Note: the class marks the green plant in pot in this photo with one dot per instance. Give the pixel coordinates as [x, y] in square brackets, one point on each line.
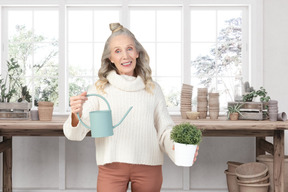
[234, 111]
[45, 107]
[249, 96]
[261, 93]
[186, 138]
[25, 95]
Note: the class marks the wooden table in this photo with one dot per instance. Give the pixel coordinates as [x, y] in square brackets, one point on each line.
[220, 127]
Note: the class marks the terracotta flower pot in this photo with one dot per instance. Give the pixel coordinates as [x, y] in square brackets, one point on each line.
[202, 114]
[251, 171]
[213, 114]
[255, 181]
[232, 165]
[231, 179]
[234, 116]
[253, 187]
[45, 110]
[268, 160]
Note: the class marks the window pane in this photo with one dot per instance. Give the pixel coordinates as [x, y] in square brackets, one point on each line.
[18, 19]
[142, 24]
[46, 59]
[98, 50]
[80, 59]
[226, 18]
[229, 48]
[102, 19]
[78, 85]
[202, 58]
[217, 64]
[169, 59]
[203, 26]
[33, 44]
[225, 86]
[171, 88]
[46, 24]
[199, 50]
[150, 49]
[80, 25]
[46, 89]
[169, 26]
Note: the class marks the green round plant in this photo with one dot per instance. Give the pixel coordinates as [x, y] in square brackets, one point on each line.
[186, 133]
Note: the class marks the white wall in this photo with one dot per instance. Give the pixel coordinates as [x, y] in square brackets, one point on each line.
[276, 53]
[37, 164]
[45, 167]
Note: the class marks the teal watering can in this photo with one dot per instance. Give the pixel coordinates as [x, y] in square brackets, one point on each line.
[101, 121]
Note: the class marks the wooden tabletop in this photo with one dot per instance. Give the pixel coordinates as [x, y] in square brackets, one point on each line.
[222, 126]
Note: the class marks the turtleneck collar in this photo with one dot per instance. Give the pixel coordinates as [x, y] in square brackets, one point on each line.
[125, 82]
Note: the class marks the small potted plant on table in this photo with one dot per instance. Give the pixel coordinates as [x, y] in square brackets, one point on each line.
[186, 138]
[234, 111]
[45, 107]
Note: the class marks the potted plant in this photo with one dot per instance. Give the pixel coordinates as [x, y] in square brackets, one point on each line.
[261, 93]
[25, 95]
[10, 85]
[234, 111]
[186, 138]
[44, 104]
[248, 97]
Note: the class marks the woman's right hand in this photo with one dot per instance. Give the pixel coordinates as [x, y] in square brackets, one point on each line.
[76, 103]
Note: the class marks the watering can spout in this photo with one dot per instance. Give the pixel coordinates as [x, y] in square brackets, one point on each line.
[123, 117]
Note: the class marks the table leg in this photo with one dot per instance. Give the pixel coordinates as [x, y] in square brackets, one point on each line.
[278, 166]
[7, 166]
[259, 150]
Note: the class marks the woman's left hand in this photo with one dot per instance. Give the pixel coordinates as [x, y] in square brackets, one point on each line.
[196, 153]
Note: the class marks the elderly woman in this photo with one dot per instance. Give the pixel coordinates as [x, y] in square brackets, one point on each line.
[135, 152]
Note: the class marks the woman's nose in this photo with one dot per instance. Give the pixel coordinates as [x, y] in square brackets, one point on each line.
[125, 54]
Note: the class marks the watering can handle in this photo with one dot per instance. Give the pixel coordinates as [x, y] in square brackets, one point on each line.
[108, 108]
[88, 95]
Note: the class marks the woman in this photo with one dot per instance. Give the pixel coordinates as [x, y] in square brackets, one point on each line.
[135, 152]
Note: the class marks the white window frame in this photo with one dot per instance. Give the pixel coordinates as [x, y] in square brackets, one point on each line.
[94, 75]
[255, 47]
[245, 38]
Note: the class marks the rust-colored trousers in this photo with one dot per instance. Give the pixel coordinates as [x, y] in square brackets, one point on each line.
[115, 177]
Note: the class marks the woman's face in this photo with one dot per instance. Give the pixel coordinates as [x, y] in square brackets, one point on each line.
[123, 54]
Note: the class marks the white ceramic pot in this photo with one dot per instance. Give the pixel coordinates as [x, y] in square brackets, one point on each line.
[184, 154]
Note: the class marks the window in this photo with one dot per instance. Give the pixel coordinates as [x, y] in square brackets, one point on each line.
[88, 29]
[217, 50]
[32, 43]
[59, 46]
[160, 32]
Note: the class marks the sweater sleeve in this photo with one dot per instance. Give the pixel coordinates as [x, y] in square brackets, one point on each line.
[79, 132]
[163, 124]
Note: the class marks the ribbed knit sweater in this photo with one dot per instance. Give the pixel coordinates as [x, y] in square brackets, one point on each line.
[143, 136]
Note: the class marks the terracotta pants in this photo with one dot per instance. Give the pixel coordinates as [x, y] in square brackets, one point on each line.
[115, 177]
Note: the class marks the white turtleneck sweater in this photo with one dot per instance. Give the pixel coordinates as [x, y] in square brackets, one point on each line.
[142, 137]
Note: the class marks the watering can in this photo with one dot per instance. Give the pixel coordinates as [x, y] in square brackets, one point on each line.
[101, 121]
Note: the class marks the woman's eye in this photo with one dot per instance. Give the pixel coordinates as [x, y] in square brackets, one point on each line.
[130, 49]
[117, 51]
